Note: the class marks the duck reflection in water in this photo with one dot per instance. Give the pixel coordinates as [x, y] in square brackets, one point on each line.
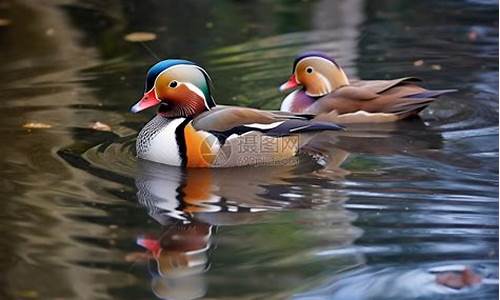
[409, 138]
[177, 259]
[207, 195]
[191, 203]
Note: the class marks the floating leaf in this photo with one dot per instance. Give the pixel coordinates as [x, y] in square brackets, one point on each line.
[36, 125]
[472, 35]
[135, 37]
[4, 22]
[418, 63]
[100, 126]
[436, 67]
[50, 31]
[27, 294]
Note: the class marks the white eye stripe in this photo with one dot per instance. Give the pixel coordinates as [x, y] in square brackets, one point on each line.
[197, 91]
[193, 88]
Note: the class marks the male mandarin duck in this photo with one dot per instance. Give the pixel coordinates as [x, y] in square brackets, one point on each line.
[327, 90]
[189, 130]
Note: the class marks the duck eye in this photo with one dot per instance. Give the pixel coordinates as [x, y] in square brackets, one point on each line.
[173, 84]
[309, 70]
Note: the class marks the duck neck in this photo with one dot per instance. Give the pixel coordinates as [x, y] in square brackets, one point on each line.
[184, 110]
[191, 105]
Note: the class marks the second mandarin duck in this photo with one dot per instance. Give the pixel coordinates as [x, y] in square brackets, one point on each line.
[190, 130]
[325, 89]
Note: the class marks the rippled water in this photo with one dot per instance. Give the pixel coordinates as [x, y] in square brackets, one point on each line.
[83, 219]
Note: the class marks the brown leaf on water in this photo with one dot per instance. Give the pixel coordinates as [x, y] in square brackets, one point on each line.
[418, 63]
[472, 35]
[100, 126]
[4, 22]
[32, 294]
[135, 37]
[436, 67]
[50, 32]
[36, 125]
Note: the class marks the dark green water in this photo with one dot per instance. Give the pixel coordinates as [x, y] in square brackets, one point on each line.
[404, 198]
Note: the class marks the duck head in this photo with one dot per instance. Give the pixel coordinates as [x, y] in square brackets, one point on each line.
[180, 88]
[318, 73]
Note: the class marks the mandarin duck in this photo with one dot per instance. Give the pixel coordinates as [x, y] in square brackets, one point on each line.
[190, 130]
[325, 89]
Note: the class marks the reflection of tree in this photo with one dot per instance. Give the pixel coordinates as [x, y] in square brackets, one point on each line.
[41, 58]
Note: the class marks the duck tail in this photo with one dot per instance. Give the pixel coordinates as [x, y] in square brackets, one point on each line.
[430, 94]
[414, 103]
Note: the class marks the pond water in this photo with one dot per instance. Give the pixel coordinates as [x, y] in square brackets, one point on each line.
[81, 218]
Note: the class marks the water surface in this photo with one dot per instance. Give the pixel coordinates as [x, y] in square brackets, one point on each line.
[83, 219]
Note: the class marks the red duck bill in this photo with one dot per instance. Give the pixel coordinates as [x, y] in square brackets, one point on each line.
[290, 84]
[148, 100]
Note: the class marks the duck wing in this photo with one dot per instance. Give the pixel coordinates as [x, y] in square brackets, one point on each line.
[384, 100]
[380, 86]
[227, 120]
